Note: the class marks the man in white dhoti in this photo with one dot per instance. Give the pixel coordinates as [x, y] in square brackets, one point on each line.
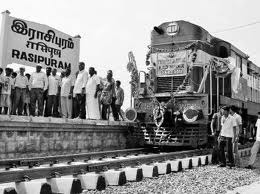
[92, 88]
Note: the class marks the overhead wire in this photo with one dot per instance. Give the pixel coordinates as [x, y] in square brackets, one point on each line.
[237, 27]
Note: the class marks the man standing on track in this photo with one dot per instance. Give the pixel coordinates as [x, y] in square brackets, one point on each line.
[255, 148]
[215, 130]
[227, 134]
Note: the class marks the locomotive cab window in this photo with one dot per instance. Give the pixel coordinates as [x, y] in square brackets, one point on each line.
[223, 52]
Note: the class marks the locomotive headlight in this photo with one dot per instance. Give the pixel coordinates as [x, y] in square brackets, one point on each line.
[190, 114]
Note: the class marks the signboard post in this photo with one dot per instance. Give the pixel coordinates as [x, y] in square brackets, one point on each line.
[29, 43]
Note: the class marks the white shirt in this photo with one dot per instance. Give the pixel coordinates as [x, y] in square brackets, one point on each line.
[80, 82]
[227, 126]
[92, 83]
[238, 120]
[21, 81]
[53, 84]
[257, 130]
[39, 80]
[66, 84]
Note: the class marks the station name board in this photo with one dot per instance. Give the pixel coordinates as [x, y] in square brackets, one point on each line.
[29, 43]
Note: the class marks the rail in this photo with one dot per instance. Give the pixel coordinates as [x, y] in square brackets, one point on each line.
[17, 175]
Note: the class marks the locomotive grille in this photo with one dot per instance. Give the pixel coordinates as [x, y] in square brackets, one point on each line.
[168, 84]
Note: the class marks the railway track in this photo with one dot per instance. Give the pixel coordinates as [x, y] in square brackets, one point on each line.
[96, 170]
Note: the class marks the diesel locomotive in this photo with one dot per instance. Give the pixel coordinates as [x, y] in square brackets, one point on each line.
[190, 74]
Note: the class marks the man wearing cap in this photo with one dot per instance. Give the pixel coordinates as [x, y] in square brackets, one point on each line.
[38, 83]
[80, 93]
[227, 134]
[256, 146]
[21, 84]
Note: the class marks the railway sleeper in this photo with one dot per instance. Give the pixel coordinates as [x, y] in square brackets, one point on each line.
[98, 181]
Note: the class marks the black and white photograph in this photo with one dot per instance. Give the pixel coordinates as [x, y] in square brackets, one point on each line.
[129, 97]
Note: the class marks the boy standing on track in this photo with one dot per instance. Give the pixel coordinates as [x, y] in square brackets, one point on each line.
[227, 134]
[255, 148]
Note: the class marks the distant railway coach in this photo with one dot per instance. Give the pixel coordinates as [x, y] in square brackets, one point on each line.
[190, 75]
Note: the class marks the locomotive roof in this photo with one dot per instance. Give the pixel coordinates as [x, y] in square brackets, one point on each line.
[187, 32]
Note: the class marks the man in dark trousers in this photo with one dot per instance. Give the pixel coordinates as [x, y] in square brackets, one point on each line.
[226, 138]
[45, 93]
[80, 93]
[215, 130]
[38, 83]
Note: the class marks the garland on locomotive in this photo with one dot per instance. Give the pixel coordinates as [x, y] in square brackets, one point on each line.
[190, 74]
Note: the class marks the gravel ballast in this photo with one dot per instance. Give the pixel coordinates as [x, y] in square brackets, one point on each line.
[200, 180]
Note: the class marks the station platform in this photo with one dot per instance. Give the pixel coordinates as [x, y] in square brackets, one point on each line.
[24, 136]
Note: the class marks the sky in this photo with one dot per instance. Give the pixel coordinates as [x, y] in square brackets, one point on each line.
[110, 29]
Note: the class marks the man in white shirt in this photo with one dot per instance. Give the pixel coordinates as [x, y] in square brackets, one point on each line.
[38, 83]
[52, 97]
[238, 122]
[21, 84]
[227, 133]
[66, 95]
[80, 93]
[92, 88]
[255, 148]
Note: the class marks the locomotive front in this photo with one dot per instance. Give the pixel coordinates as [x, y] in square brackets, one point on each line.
[174, 98]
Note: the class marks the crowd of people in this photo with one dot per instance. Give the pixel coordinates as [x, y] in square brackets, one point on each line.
[226, 127]
[84, 95]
